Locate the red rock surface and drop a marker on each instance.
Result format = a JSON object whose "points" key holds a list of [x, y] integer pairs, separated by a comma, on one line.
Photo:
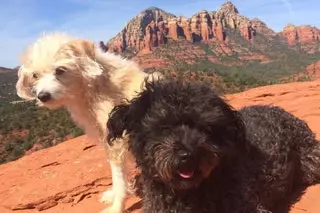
{"points": [[70, 176]]}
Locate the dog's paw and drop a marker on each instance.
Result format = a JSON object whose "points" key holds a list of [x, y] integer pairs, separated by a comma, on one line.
{"points": [[107, 196]]}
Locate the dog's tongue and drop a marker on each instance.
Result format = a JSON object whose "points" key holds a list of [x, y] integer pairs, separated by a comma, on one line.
{"points": [[186, 174]]}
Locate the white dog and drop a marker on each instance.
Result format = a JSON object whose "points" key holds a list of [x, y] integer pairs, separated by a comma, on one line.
{"points": [[61, 71]]}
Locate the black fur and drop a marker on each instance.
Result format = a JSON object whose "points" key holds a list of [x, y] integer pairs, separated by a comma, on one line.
{"points": [[197, 154]]}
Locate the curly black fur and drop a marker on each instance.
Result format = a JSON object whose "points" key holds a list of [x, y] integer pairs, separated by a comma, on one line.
{"points": [[197, 154]]}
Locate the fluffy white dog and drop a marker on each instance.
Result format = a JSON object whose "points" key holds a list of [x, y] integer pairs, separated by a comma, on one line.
{"points": [[62, 71]]}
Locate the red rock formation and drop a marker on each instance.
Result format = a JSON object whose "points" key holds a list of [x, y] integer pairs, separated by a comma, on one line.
{"points": [[135, 32], [205, 26], [148, 38], [245, 32], [173, 29], [140, 44], [161, 32], [248, 32], [301, 34], [151, 37], [261, 27], [185, 26], [202, 26], [154, 39], [195, 27], [205, 31], [218, 32], [291, 34], [308, 34], [153, 26]]}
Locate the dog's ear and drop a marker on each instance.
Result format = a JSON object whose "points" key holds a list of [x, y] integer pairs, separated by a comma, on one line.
{"points": [[117, 122], [127, 117], [84, 53], [24, 84], [224, 123]]}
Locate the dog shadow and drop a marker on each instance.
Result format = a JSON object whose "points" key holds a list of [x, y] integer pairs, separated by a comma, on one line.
{"points": [[135, 206]]}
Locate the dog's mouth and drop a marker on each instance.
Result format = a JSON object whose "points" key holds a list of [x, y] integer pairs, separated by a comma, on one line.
{"points": [[187, 170], [186, 174], [52, 104]]}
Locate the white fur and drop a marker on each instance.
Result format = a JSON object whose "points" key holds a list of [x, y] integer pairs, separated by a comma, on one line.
{"points": [[49, 83], [118, 177], [92, 85]]}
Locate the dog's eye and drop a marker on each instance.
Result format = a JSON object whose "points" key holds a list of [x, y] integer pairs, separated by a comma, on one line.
{"points": [[35, 76], [60, 70]]}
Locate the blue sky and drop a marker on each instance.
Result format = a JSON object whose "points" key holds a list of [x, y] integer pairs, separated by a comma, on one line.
{"points": [[22, 21]]}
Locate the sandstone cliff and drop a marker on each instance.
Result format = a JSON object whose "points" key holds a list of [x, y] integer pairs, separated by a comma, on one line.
{"points": [[70, 177], [160, 40], [147, 26], [302, 34], [308, 37], [153, 27]]}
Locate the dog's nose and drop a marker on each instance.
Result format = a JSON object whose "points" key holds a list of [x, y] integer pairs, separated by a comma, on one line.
{"points": [[184, 156], [44, 96]]}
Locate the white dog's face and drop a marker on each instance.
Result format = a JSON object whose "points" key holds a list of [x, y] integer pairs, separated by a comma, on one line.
{"points": [[52, 87], [54, 75], [49, 87]]}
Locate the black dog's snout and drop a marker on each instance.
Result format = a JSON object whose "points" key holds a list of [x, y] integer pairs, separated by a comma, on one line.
{"points": [[44, 96], [186, 162], [184, 156]]}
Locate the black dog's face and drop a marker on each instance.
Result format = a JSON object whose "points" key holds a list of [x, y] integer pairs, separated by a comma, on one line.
{"points": [[179, 133], [181, 156]]}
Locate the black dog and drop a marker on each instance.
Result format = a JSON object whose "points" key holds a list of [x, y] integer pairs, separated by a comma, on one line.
{"points": [[198, 155]]}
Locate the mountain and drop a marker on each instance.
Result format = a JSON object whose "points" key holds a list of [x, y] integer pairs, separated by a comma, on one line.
{"points": [[153, 27], [131, 35], [8, 77], [5, 70], [240, 52], [71, 176], [307, 36]]}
